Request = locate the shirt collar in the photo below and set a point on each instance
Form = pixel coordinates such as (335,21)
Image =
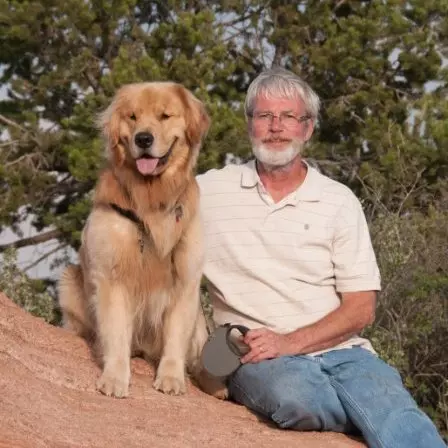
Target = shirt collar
(249,176)
(311,188)
(309,191)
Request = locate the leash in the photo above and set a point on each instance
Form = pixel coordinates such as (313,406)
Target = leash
(131,215)
(209,323)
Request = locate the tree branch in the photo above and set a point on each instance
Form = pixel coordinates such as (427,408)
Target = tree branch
(247,14)
(9,143)
(32,240)
(43,257)
(12,123)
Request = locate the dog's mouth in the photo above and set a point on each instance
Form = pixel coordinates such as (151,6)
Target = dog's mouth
(147,164)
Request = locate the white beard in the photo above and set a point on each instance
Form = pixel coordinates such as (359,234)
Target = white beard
(272,159)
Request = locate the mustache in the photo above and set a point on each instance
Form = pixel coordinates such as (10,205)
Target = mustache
(272,140)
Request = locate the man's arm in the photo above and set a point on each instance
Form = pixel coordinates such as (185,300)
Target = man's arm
(355,268)
(357,310)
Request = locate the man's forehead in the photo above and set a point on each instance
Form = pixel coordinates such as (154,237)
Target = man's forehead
(266,102)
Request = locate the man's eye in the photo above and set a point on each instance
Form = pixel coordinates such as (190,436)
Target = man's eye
(264,116)
(133,117)
(165,116)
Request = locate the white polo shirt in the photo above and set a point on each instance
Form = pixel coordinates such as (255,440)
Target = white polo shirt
(282,265)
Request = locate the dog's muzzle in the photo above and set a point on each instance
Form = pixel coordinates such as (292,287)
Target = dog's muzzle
(146,162)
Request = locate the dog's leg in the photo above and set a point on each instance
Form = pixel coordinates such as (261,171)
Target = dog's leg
(114,321)
(180,317)
(177,331)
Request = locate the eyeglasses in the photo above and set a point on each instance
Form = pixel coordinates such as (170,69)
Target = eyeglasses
(286,119)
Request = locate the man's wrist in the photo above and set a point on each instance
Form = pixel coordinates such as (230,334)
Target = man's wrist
(295,342)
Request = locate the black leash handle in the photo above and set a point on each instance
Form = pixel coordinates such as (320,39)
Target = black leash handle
(242,329)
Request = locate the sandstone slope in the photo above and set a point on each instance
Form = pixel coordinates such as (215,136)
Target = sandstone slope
(48,399)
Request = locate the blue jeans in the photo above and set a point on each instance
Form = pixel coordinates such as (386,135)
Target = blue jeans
(341,390)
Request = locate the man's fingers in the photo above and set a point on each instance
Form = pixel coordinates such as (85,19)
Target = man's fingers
(256,354)
(254,334)
(257,358)
(263,344)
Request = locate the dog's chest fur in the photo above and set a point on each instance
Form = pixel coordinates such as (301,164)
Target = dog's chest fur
(163,229)
(161,210)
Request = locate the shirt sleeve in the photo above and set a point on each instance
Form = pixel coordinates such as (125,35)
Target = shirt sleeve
(353,258)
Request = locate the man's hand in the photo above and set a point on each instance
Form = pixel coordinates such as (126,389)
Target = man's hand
(266,344)
(356,311)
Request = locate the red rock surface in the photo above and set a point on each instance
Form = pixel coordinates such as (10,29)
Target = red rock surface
(48,399)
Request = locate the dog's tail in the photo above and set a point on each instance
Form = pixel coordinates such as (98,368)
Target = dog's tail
(73,303)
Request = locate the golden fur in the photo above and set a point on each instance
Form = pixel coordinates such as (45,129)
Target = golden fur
(138,290)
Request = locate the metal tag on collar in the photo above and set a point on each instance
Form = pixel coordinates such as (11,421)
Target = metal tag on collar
(141,236)
(178,212)
(141,242)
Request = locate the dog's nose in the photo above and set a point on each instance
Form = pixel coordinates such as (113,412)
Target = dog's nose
(144,140)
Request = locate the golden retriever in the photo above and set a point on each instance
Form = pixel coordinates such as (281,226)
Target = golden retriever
(137,286)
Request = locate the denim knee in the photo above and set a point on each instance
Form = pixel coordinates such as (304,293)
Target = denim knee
(293,392)
(292,415)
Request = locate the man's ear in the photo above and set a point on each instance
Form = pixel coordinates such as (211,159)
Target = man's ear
(309,129)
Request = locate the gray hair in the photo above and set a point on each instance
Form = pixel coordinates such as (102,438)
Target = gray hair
(280,83)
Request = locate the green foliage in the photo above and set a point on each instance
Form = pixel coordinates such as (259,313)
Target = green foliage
(411,327)
(29,294)
(369,62)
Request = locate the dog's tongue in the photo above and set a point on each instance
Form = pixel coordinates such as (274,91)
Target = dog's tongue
(147,166)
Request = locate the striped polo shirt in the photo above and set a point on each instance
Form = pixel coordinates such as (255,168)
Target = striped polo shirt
(281,265)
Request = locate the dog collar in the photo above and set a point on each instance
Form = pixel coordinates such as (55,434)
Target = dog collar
(132,216)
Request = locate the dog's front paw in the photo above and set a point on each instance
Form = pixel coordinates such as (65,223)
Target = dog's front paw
(170,385)
(113,385)
(170,377)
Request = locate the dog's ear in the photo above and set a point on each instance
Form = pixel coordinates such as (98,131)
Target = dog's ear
(197,119)
(109,122)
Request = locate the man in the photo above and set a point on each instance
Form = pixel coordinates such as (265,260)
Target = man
(289,255)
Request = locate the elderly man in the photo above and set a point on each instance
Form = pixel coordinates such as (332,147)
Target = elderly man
(289,255)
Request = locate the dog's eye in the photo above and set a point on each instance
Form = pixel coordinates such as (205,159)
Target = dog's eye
(164,116)
(133,117)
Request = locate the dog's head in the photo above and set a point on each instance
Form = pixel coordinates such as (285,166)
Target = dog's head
(154,126)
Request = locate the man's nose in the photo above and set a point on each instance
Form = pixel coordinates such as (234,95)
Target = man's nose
(275,124)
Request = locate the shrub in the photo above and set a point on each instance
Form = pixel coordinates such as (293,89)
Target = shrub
(411,327)
(28,293)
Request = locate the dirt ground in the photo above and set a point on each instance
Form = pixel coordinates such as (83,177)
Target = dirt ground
(48,399)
